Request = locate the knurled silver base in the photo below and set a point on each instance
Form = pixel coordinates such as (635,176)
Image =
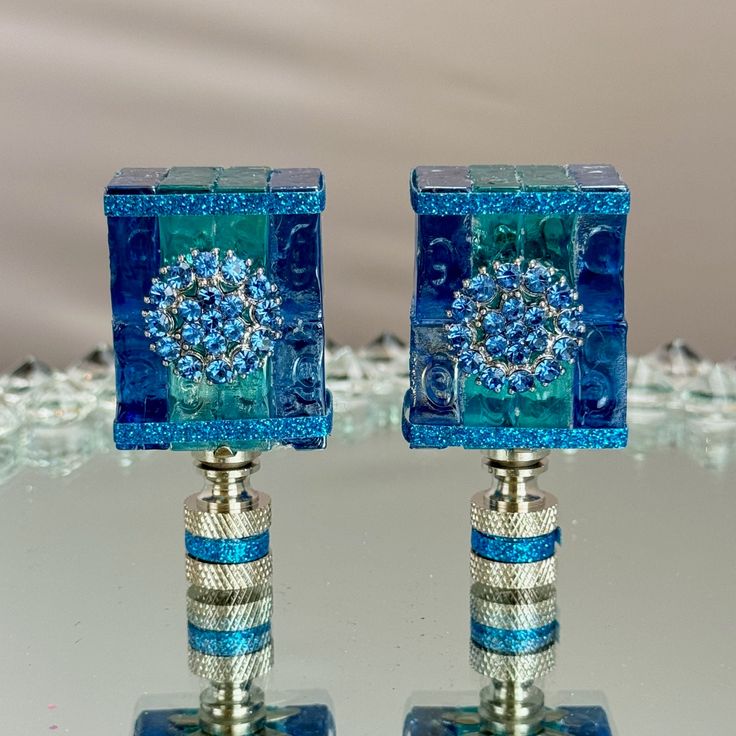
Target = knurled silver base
(494,522)
(512,668)
(512,615)
(202,521)
(229,610)
(238,669)
(214,576)
(512,575)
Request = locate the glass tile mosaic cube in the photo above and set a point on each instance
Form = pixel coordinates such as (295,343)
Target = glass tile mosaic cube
(216,282)
(518,336)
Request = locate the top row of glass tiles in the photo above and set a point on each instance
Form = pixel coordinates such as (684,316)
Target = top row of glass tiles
(193,179)
(501,177)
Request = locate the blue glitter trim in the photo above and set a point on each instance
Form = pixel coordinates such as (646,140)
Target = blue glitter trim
(440,436)
(514,549)
(513,641)
(229,643)
(212,203)
(230,551)
(209,434)
(553,201)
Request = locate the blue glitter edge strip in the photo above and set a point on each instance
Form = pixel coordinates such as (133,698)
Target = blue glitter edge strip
(208,434)
(229,643)
(229,551)
(441,436)
(554,201)
(514,549)
(213,203)
(513,641)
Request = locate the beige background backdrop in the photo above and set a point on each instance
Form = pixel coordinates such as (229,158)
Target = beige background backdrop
(365,90)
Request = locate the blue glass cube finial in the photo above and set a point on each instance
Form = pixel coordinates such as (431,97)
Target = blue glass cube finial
(518,329)
(216,281)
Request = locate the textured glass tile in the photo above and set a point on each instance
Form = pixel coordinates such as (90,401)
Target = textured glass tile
(295,179)
(134,260)
(136,181)
(442,178)
(295,257)
(246,398)
(596,176)
(599,241)
(548,238)
(600,379)
(189,400)
(141,378)
(434,377)
(243,179)
(298,366)
(443,261)
(496,177)
(545,177)
(189,179)
(495,238)
(247,235)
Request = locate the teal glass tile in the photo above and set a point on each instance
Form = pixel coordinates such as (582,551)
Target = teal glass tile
(548,238)
(495,238)
(243,179)
(482,407)
(181,234)
(545,177)
(189,179)
(497,177)
(245,235)
(547,406)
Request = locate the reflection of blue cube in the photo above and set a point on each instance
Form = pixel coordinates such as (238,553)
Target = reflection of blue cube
(518,330)
(216,281)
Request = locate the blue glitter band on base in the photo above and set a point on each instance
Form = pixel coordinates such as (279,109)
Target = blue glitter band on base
(231,551)
(513,641)
(231,203)
(514,549)
(150,435)
(229,643)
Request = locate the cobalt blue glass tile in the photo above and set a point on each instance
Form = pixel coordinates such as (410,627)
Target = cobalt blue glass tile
(596,176)
(296,264)
(294,720)
(142,379)
(136,181)
(134,260)
(443,261)
(600,378)
(434,377)
(599,241)
(442,178)
(298,366)
(295,179)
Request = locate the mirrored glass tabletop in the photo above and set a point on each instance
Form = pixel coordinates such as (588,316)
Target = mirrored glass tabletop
(370,543)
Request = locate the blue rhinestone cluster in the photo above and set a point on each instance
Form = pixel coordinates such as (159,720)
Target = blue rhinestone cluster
(515,326)
(214,317)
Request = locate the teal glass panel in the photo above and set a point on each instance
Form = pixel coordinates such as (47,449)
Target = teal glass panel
(495,238)
(547,406)
(181,234)
(482,407)
(493,177)
(189,179)
(548,238)
(545,177)
(189,400)
(245,235)
(246,398)
(243,179)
